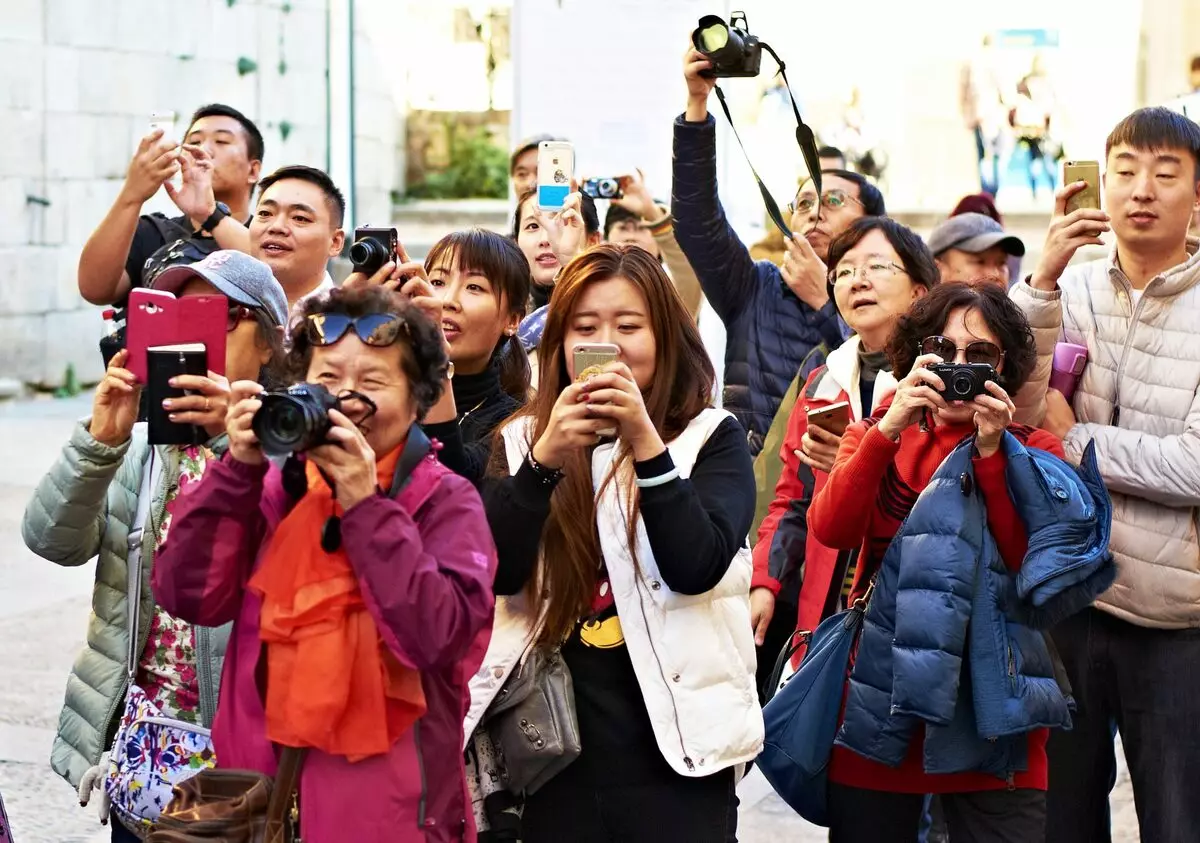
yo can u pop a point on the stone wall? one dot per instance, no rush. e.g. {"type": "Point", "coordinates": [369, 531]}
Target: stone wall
{"type": "Point", "coordinates": [78, 81]}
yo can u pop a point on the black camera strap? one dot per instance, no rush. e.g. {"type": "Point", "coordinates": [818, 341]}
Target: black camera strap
{"type": "Point", "coordinates": [804, 138]}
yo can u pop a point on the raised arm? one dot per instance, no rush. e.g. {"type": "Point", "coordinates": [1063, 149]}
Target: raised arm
{"type": "Point", "coordinates": [697, 525]}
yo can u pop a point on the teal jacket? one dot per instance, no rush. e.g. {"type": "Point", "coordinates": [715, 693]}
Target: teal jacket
{"type": "Point", "coordinates": [83, 508]}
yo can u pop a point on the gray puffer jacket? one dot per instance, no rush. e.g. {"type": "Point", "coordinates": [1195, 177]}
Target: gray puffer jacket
{"type": "Point", "coordinates": [84, 507]}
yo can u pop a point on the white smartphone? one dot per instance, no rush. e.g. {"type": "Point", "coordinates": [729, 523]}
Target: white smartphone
{"type": "Point", "coordinates": [166, 121]}
{"type": "Point", "coordinates": [556, 168]}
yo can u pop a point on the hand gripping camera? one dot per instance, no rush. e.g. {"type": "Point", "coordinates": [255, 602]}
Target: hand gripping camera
{"type": "Point", "coordinates": [295, 419]}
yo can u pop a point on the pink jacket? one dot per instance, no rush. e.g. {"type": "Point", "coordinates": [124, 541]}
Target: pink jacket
{"type": "Point", "coordinates": [425, 563]}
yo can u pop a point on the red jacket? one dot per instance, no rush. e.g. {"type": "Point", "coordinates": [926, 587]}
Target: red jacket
{"type": "Point", "coordinates": [784, 541]}
{"type": "Point", "coordinates": [425, 564]}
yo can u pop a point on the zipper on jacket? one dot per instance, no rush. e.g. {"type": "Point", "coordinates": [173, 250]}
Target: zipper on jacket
{"type": "Point", "coordinates": [687, 761]}
{"type": "Point", "coordinates": [1126, 288]}
{"type": "Point", "coordinates": [421, 770]}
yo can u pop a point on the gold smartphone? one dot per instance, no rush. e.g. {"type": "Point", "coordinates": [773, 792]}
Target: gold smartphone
{"type": "Point", "coordinates": [590, 360]}
{"type": "Point", "coordinates": [1088, 171]}
{"type": "Point", "coordinates": [833, 419]}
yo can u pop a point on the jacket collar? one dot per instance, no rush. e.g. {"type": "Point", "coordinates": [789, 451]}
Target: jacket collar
{"type": "Point", "coordinates": [1172, 282]}
{"type": "Point", "coordinates": [841, 378]}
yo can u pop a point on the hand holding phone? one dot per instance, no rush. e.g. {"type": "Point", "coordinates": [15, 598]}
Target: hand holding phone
{"type": "Point", "coordinates": [1085, 171]}
{"type": "Point", "coordinates": [834, 418]}
{"type": "Point", "coordinates": [166, 121]}
{"type": "Point", "coordinates": [589, 360]}
{"type": "Point", "coordinates": [167, 362]}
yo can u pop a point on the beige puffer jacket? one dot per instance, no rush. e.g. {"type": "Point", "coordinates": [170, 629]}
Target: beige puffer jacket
{"type": "Point", "coordinates": [1138, 401]}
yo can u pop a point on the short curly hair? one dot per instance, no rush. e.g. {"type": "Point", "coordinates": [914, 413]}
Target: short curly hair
{"type": "Point", "coordinates": [422, 351]}
{"type": "Point", "coordinates": [928, 316]}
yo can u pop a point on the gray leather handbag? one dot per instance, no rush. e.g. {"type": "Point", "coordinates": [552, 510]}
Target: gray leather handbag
{"type": "Point", "coordinates": [533, 723]}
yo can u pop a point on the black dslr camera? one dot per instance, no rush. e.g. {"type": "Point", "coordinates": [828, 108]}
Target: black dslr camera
{"type": "Point", "coordinates": [295, 419]}
{"type": "Point", "coordinates": [373, 247]}
{"type": "Point", "coordinates": [733, 51]}
{"type": "Point", "coordinates": [964, 381]}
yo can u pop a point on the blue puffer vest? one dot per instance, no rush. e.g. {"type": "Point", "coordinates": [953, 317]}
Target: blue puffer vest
{"type": "Point", "coordinates": [952, 639]}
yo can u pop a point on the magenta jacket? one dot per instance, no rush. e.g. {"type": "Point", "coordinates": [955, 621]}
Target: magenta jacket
{"type": "Point", "coordinates": [425, 564]}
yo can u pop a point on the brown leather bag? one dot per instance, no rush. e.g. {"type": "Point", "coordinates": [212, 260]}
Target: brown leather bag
{"type": "Point", "coordinates": [234, 806]}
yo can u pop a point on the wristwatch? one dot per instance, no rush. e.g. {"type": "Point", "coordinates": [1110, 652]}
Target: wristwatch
{"type": "Point", "coordinates": [214, 219]}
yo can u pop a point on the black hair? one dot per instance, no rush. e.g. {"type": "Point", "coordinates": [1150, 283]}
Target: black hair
{"type": "Point", "coordinates": [528, 144]}
{"type": "Point", "coordinates": [273, 373]}
{"type": "Point", "coordinates": [254, 138]}
{"type": "Point", "coordinates": [1155, 129]}
{"type": "Point", "coordinates": [868, 194]}
{"type": "Point", "coordinates": [501, 261]}
{"type": "Point", "coordinates": [423, 352]}
{"type": "Point", "coordinates": [928, 316]}
{"type": "Point", "coordinates": [830, 152]}
{"type": "Point", "coordinates": [915, 256]}
{"type": "Point", "coordinates": [618, 214]}
{"type": "Point", "coordinates": [333, 197]}
{"type": "Point", "coordinates": [587, 208]}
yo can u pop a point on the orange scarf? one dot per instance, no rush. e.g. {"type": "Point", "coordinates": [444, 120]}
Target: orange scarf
{"type": "Point", "coordinates": [331, 683]}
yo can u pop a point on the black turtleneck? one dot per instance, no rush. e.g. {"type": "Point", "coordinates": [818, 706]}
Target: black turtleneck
{"type": "Point", "coordinates": [467, 441]}
{"type": "Point", "coordinates": [540, 295]}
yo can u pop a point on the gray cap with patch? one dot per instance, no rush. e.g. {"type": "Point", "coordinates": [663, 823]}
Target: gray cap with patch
{"type": "Point", "coordinates": [237, 276]}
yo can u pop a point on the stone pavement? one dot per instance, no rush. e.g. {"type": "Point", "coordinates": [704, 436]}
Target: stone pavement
{"type": "Point", "coordinates": [43, 616]}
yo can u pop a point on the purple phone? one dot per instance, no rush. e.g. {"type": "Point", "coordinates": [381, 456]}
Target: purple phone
{"type": "Point", "coordinates": [1069, 361]}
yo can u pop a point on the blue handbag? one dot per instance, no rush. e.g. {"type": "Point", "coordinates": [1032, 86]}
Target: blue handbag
{"type": "Point", "coordinates": [802, 718]}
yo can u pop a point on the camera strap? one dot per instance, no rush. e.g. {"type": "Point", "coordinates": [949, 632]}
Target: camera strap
{"type": "Point", "coordinates": [804, 138]}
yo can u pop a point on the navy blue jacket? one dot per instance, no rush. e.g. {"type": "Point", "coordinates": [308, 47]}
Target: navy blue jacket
{"type": "Point", "coordinates": [952, 639]}
{"type": "Point", "coordinates": [769, 330]}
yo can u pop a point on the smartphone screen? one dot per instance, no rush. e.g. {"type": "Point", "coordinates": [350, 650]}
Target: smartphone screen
{"type": "Point", "coordinates": [1088, 171]}
{"type": "Point", "coordinates": [556, 168]}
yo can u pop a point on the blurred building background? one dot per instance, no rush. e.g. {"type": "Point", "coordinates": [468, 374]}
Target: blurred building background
{"type": "Point", "coordinates": [413, 106]}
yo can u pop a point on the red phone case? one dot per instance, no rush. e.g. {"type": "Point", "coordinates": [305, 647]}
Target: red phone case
{"type": "Point", "coordinates": [159, 318]}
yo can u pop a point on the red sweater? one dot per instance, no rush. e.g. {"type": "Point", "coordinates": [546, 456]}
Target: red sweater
{"type": "Point", "coordinates": [842, 516]}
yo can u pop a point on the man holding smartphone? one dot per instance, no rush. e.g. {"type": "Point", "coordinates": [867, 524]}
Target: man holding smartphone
{"type": "Point", "coordinates": [220, 159]}
{"type": "Point", "coordinates": [1130, 657]}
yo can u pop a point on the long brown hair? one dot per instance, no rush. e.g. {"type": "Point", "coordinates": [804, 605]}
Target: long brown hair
{"type": "Point", "coordinates": [681, 388]}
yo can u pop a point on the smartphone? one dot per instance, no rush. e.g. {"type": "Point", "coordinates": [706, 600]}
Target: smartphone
{"type": "Point", "coordinates": [834, 419]}
{"type": "Point", "coordinates": [556, 168]}
{"type": "Point", "coordinates": [165, 362]}
{"type": "Point", "coordinates": [590, 359]}
{"type": "Point", "coordinates": [166, 120]}
{"type": "Point", "coordinates": [158, 318]}
{"type": "Point", "coordinates": [1088, 171]}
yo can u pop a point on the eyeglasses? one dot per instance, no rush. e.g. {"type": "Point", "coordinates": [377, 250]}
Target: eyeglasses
{"type": "Point", "coordinates": [831, 199]}
{"type": "Point", "coordinates": [376, 329]}
{"type": "Point", "coordinates": [238, 313]}
{"type": "Point", "coordinates": [979, 351]}
{"type": "Point", "coordinates": [874, 272]}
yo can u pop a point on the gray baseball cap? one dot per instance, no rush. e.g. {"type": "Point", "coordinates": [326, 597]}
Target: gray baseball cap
{"type": "Point", "coordinates": [973, 233]}
{"type": "Point", "coordinates": [237, 276]}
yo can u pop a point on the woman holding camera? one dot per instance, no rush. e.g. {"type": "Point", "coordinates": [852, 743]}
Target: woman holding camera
{"type": "Point", "coordinates": [878, 268]}
{"type": "Point", "coordinates": [620, 522]}
{"type": "Point", "coordinates": [358, 578]}
{"type": "Point", "coordinates": [112, 495]}
{"type": "Point", "coordinates": [482, 280]}
{"type": "Point", "coordinates": [912, 723]}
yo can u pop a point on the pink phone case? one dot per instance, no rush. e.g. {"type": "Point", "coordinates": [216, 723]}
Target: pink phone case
{"type": "Point", "coordinates": [159, 318]}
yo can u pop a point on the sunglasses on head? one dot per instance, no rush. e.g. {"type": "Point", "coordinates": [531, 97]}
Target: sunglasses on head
{"type": "Point", "coordinates": [377, 329]}
{"type": "Point", "coordinates": [979, 351]}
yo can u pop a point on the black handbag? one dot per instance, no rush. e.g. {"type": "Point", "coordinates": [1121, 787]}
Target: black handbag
{"type": "Point", "coordinates": [533, 723]}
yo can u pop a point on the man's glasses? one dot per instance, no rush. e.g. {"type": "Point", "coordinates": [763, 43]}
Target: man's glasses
{"type": "Point", "coordinates": [831, 199]}
{"type": "Point", "coordinates": [377, 329]}
{"type": "Point", "coordinates": [979, 351]}
{"type": "Point", "coordinates": [874, 272]}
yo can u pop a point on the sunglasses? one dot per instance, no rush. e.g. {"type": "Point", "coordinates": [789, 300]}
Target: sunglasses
{"type": "Point", "coordinates": [238, 313]}
{"type": "Point", "coordinates": [376, 329]}
{"type": "Point", "coordinates": [979, 351]}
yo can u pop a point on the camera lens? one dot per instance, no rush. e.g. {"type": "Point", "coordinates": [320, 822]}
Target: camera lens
{"type": "Point", "coordinates": [962, 384]}
{"type": "Point", "coordinates": [293, 421]}
{"type": "Point", "coordinates": [607, 188]}
{"type": "Point", "coordinates": [367, 255]}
